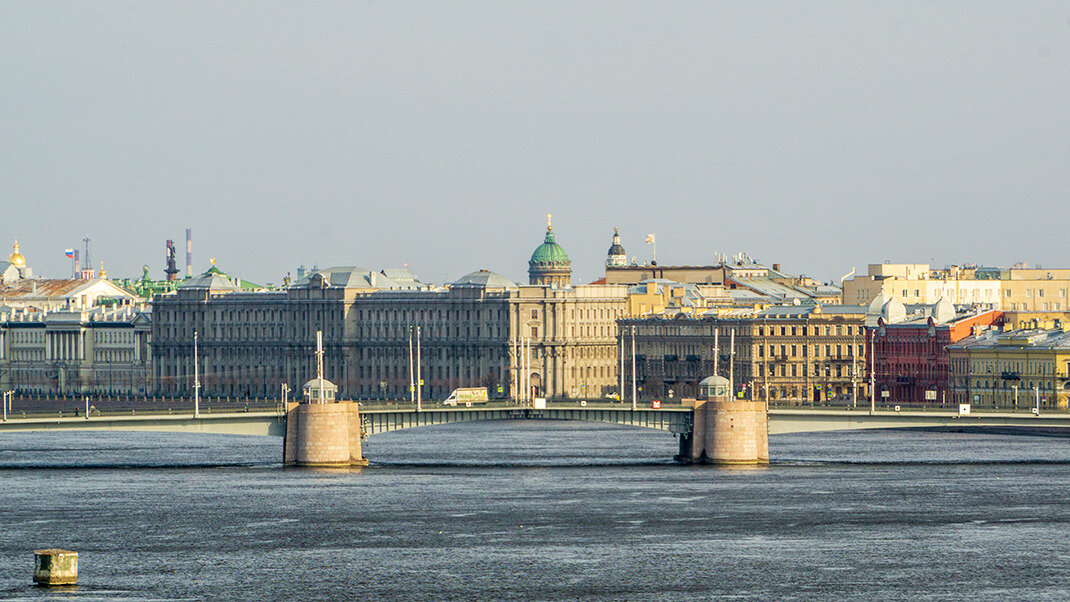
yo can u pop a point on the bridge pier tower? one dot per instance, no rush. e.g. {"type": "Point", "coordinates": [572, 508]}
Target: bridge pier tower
{"type": "Point", "coordinates": [727, 431]}
{"type": "Point", "coordinates": [321, 431]}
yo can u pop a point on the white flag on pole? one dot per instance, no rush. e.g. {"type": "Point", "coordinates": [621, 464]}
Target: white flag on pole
{"type": "Point", "coordinates": [649, 239]}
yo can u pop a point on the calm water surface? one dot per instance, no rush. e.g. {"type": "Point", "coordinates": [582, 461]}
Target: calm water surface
{"type": "Point", "coordinates": [540, 510]}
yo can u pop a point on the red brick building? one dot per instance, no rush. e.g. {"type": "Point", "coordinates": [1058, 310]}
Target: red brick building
{"type": "Point", "coordinates": [910, 356]}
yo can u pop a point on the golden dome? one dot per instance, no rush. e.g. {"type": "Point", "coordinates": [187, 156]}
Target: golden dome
{"type": "Point", "coordinates": [16, 258]}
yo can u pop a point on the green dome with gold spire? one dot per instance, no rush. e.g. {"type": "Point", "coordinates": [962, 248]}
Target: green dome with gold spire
{"type": "Point", "coordinates": [549, 264]}
{"type": "Point", "coordinates": [549, 252]}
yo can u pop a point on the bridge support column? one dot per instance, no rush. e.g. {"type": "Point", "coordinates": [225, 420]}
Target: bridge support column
{"type": "Point", "coordinates": [323, 434]}
{"type": "Point", "coordinates": [728, 431]}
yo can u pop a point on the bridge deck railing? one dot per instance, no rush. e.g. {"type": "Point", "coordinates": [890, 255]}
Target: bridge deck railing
{"type": "Point", "coordinates": [68, 408]}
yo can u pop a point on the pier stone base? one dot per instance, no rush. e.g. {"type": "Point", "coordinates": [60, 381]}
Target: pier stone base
{"type": "Point", "coordinates": [725, 430]}
{"type": "Point", "coordinates": [323, 434]}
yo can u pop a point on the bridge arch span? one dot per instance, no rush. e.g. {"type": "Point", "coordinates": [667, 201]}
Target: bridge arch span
{"type": "Point", "coordinates": [375, 421]}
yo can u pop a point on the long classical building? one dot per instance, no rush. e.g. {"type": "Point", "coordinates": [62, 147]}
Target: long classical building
{"type": "Point", "coordinates": [66, 337]}
{"type": "Point", "coordinates": [792, 354]}
{"type": "Point", "coordinates": [547, 338]}
{"type": "Point", "coordinates": [78, 351]}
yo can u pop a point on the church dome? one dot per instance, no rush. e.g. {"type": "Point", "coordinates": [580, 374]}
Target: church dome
{"type": "Point", "coordinates": [16, 259]}
{"type": "Point", "coordinates": [549, 264]}
{"type": "Point", "coordinates": [549, 253]}
{"type": "Point", "coordinates": [616, 256]}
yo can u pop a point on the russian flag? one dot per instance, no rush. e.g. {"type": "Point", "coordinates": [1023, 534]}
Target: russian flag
{"type": "Point", "coordinates": [69, 253]}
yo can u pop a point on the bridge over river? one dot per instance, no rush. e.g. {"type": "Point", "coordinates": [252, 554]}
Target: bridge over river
{"type": "Point", "coordinates": [270, 420]}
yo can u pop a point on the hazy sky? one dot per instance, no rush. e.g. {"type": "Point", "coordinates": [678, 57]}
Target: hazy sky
{"type": "Point", "coordinates": [820, 135]}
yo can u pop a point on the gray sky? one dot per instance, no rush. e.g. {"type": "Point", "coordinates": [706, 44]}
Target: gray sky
{"type": "Point", "coordinates": [820, 135]}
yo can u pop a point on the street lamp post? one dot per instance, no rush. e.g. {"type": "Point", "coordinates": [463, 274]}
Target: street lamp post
{"type": "Point", "coordinates": [854, 376]}
{"type": "Point", "coordinates": [419, 374]}
{"type": "Point", "coordinates": [196, 380]}
{"type": "Point", "coordinates": [872, 373]}
{"type": "Point", "coordinates": [635, 402]}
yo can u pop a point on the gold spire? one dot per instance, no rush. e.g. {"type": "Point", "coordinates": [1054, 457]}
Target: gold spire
{"type": "Point", "coordinates": [17, 258]}
{"type": "Point", "coordinates": [548, 226]}
{"type": "Point", "coordinates": [103, 272]}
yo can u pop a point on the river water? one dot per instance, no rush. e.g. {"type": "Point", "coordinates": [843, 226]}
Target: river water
{"type": "Point", "coordinates": [543, 511]}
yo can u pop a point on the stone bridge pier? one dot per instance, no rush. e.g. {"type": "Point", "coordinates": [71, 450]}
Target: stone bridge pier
{"type": "Point", "coordinates": [322, 431]}
{"type": "Point", "coordinates": [323, 434]}
{"type": "Point", "coordinates": [726, 431]}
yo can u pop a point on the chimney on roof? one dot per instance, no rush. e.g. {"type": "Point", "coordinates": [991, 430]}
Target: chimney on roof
{"type": "Point", "coordinates": [189, 252]}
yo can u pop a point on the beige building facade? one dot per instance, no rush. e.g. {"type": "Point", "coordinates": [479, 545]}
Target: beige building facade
{"type": "Point", "coordinates": [1009, 289]}
{"type": "Point", "coordinates": [1013, 369]}
{"type": "Point", "coordinates": [97, 351]}
{"type": "Point", "coordinates": [787, 354]}
{"type": "Point", "coordinates": [382, 333]}
{"type": "Point", "coordinates": [918, 284]}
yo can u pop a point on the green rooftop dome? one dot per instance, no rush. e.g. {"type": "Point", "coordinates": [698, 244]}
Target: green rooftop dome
{"type": "Point", "coordinates": [549, 253]}
{"type": "Point", "coordinates": [550, 265]}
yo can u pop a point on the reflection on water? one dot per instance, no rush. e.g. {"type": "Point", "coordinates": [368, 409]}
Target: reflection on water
{"type": "Point", "coordinates": [540, 510]}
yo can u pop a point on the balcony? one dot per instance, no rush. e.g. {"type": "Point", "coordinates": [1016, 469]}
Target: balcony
{"type": "Point", "coordinates": [1010, 376]}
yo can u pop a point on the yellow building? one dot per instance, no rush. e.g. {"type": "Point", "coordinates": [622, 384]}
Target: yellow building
{"type": "Point", "coordinates": [1035, 289]}
{"type": "Point", "coordinates": [1013, 320]}
{"type": "Point", "coordinates": [794, 354]}
{"type": "Point", "coordinates": [1015, 369]}
{"type": "Point", "coordinates": [659, 296]}
{"type": "Point", "coordinates": [917, 283]}
{"type": "Point", "coordinates": [1009, 289]}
